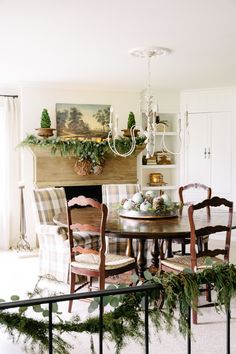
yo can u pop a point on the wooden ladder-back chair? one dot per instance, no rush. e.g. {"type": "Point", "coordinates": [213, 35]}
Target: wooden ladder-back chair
{"type": "Point", "coordinates": [206, 193]}
{"type": "Point", "coordinates": [89, 262]}
{"type": "Point", "coordinates": [197, 258]}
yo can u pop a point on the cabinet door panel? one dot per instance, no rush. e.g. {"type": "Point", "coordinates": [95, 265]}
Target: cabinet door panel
{"type": "Point", "coordinates": [220, 153]}
{"type": "Point", "coordinates": [208, 151]}
{"type": "Point", "coordinates": [197, 165]}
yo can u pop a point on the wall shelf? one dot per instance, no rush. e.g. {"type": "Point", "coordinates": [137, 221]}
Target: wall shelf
{"type": "Point", "coordinates": [169, 171]}
{"type": "Point", "coordinates": [157, 188]}
{"type": "Point", "coordinates": [156, 167]}
{"type": "Point", "coordinates": [167, 133]}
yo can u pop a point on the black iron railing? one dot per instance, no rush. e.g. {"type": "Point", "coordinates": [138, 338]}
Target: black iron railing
{"type": "Point", "coordinates": [146, 289]}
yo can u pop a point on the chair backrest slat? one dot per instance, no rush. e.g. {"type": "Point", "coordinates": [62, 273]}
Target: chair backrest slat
{"type": "Point", "coordinates": [215, 202]}
{"type": "Point", "coordinates": [82, 201]}
{"type": "Point", "coordinates": [193, 186]}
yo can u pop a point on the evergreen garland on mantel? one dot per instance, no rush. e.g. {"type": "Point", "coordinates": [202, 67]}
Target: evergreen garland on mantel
{"type": "Point", "coordinates": [94, 151]}
{"type": "Point", "coordinates": [125, 322]}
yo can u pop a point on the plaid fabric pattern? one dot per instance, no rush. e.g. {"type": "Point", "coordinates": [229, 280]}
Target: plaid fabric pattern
{"type": "Point", "coordinates": [112, 194]}
{"type": "Point", "coordinates": [54, 250]}
{"type": "Point", "coordinates": [49, 202]}
{"type": "Point", "coordinates": [86, 240]}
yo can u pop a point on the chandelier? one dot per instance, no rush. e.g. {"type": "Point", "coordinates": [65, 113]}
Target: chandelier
{"type": "Point", "coordinates": [148, 111]}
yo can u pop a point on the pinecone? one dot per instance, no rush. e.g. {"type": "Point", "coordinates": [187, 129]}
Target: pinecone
{"type": "Point", "coordinates": [97, 170]}
{"type": "Point", "coordinates": [157, 203]}
{"type": "Point", "coordinates": [149, 199]}
{"type": "Point", "coordinates": [83, 168]}
{"type": "Point", "coordinates": [122, 201]}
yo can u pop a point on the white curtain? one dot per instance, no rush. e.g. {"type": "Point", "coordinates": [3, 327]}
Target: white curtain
{"type": "Point", "coordinates": [9, 172]}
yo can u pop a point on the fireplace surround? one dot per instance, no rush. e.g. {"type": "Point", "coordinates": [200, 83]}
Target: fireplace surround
{"type": "Point", "coordinates": [94, 192]}
{"type": "Point", "coordinates": [56, 171]}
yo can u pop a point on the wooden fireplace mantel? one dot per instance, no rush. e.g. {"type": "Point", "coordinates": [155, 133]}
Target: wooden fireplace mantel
{"type": "Point", "coordinates": [55, 170]}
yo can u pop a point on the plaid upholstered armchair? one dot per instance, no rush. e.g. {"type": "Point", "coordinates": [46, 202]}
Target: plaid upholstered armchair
{"type": "Point", "coordinates": [54, 252]}
{"type": "Point", "coordinates": [112, 194]}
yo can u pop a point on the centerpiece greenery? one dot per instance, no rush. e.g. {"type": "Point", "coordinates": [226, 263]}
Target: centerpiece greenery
{"type": "Point", "coordinates": [149, 203]}
{"type": "Point", "coordinates": [126, 321]}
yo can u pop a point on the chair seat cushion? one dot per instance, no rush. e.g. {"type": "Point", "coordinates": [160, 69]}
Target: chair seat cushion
{"type": "Point", "coordinates": [91, 261]}
{"type": "Point", "coordinates": [179, 263]}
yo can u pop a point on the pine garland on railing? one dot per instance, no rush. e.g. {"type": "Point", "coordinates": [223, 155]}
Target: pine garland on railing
{"type": "Point", "coordinates": [176, 291]}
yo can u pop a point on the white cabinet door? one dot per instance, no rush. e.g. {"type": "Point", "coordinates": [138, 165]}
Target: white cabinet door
{"type": "Point", "coordinates": [197, 165]}
{"type": "Point", "coordinates": [208, 151]}
{"type": "Point", "coordinates": [220, 153]}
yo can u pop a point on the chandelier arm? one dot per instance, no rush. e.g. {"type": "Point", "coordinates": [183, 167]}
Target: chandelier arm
{"type": "Point", "coordinates": [164, 144]}
{"type": "Point", "coordinates": [114, 149]}
{"type": "Point", "coordinates": [150, 109]}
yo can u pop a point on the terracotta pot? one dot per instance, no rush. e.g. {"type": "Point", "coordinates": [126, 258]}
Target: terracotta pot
{"type": "Point", "coordinates": [126, 132]}
{"type": "Point", "coordinates": [45, 132]}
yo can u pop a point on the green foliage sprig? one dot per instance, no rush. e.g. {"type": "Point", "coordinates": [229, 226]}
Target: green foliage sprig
{"type": "Point", "coordinates": [84, 149]}
{"type": "Point", "coordinates": [125, 321]}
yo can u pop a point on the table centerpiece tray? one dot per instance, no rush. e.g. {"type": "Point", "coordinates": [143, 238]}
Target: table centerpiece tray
{"type": "Point", "coordinates": [136, 214]}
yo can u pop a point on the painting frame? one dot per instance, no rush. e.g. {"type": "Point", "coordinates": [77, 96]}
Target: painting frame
{"type": "Point", "coordinates": [82, 121]}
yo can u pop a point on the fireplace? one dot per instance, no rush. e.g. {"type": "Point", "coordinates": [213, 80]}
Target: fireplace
{"type": "Point", "coordinates": [94, 192]}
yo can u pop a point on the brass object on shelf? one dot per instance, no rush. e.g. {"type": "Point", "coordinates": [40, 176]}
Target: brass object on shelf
{"type": "Point", "coordinates": [163, 158]}
{"type": "Point", "coordinates": [156, 179]}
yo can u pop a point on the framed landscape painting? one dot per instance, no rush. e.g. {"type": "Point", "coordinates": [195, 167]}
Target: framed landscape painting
{"type": "Point", "coordinates": [82, 120]}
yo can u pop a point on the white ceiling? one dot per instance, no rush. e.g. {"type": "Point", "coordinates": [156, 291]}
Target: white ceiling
{"type": "Point", "coordinates": [87, 42]}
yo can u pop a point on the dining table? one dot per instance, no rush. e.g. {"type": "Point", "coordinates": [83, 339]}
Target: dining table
{"type": "Point", "coordinates": [142, 229]}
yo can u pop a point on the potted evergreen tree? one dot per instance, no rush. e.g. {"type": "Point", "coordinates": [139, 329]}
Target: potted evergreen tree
{"type": "Point", "coordinates": [45, 129]}
{"type": "Point", "coordinates": [130, 123]}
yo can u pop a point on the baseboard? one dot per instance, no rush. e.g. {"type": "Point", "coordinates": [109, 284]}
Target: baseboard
{"type": "Point", "coordinates": [26, 253]}
{"type": "Point", "coordinates": [222, 237]}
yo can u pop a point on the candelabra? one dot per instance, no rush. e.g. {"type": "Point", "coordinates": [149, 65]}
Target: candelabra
{"type": "Point", "coordinates": [148, 111]}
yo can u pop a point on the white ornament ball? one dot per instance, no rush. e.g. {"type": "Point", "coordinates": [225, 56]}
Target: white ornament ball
{"type": "Point", "coordinates": [145, 206]}
{"type": "Point", "coordinates": [128, 204]}
{"type": "Point", "coordinates": [151, 194]}
{"type": "Point", "coordinates": [166, 198]}
{"type": "Point", "coordinates": [137, 198]}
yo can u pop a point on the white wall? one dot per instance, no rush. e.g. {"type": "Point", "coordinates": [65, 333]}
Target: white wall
{"type": "Point", "coordinates": [35, 97]}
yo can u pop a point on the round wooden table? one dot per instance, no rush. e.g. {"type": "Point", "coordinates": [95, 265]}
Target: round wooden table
{"type": "Point", "coordinates": [143, 229]}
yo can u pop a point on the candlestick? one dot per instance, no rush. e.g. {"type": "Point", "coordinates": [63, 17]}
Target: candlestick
{"type": "Point", "coordinates": [23, 244]}
{"type": "Point", "coordinates": [116, 126]}
{"type": "Point", "coordinates": [111, 117]}
{"type": "Point", "coordinates": [154, 119]}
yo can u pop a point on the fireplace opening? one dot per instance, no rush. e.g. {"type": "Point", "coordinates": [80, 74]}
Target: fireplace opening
{"type": "Point", "coordinates": [94, 192]}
